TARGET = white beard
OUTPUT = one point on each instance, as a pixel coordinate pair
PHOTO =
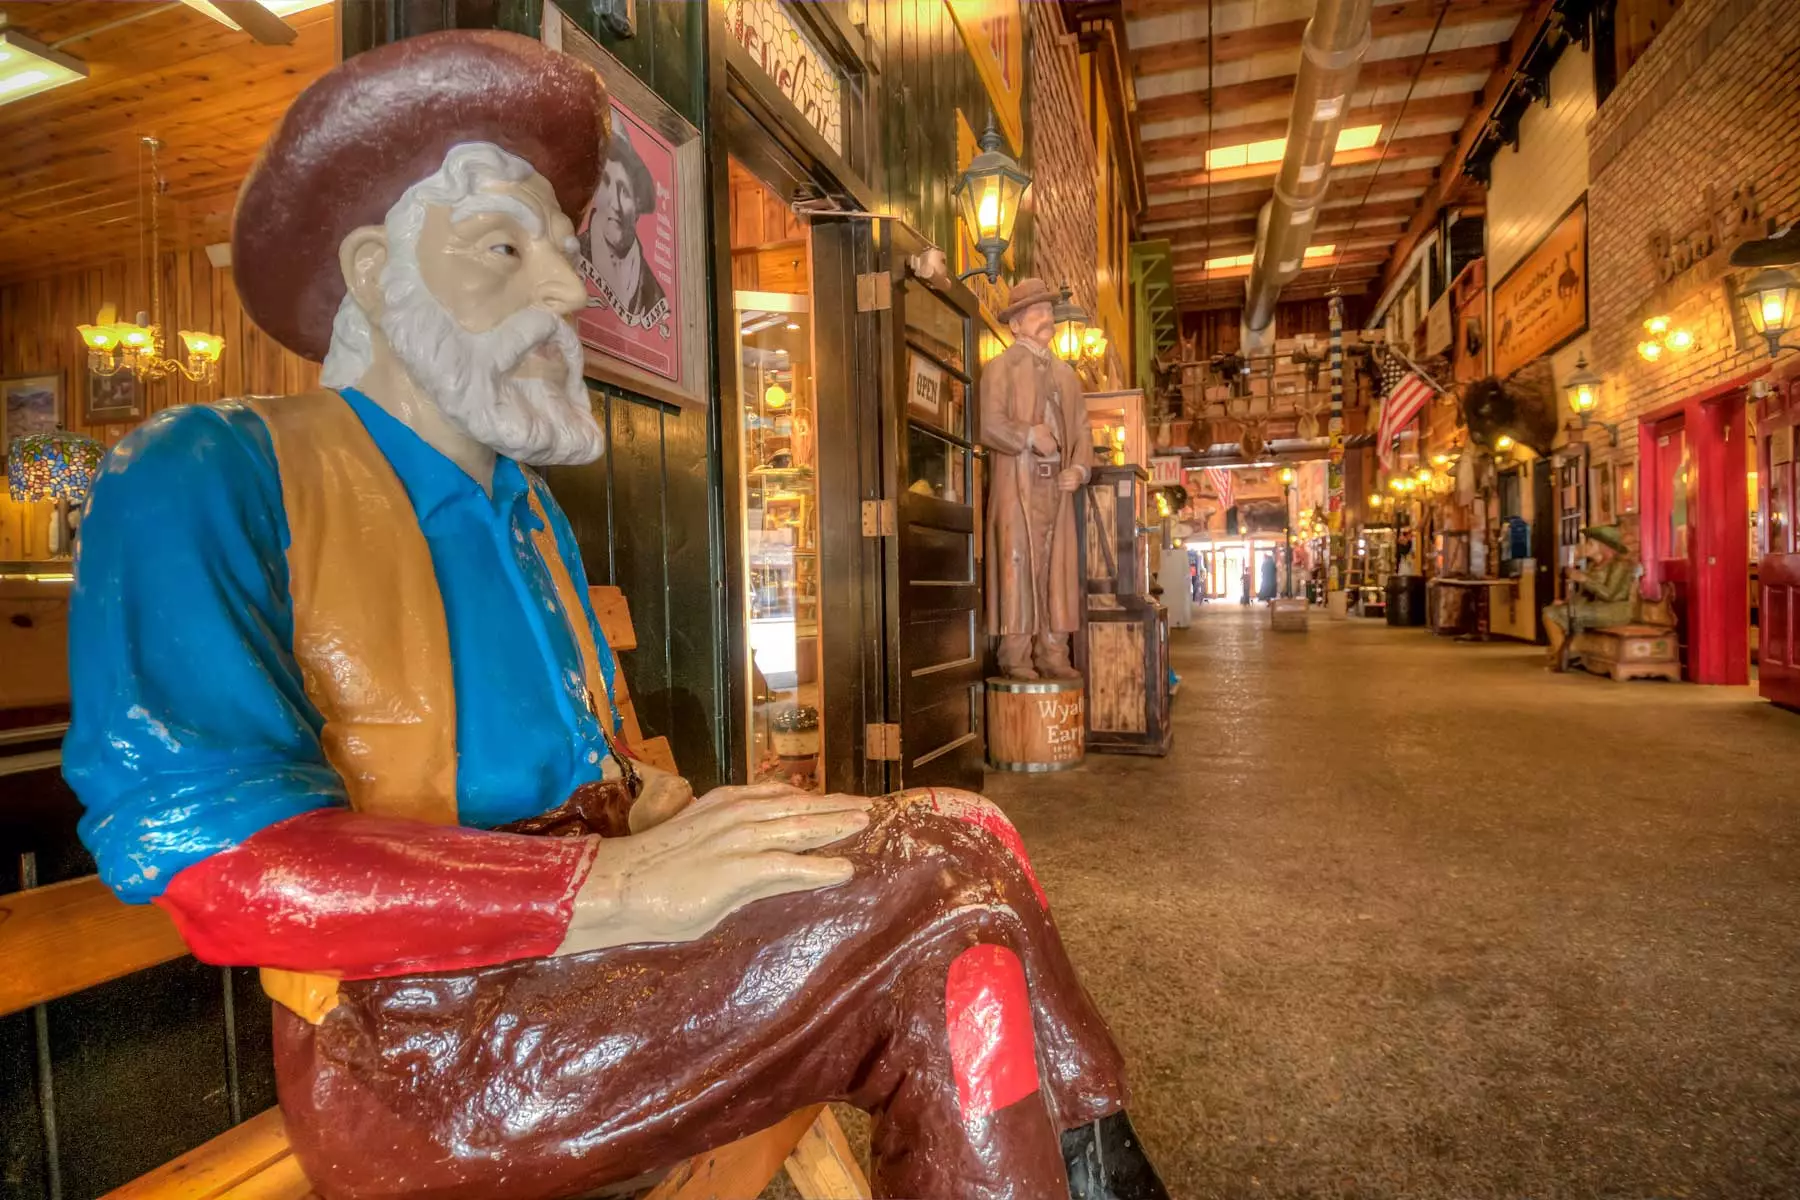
(469, 377)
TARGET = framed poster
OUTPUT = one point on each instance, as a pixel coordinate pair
(1543, 302)
(29, 404)
(1625, 479)
(994, 32)
(642, 237)
(113, 399)
(1600, 488)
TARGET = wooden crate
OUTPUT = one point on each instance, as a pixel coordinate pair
(1128, 679)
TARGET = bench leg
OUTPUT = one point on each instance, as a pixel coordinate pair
(810, 1138)
(823, 1167)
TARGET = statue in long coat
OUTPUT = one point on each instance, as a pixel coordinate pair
(1034, 420)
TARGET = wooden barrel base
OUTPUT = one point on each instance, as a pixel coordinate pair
(1035, 724)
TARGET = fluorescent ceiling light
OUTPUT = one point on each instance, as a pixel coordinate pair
(1251, 154)
(28, 67)
(1243, 260)
(277, 8)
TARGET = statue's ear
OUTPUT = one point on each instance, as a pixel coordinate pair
(361, 256)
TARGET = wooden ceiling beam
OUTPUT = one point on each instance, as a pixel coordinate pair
(1351, 222)
(1450, 180)
(1348, 187)
(1335, 262)
(1432, 145)
(1438, 63)
(1456, 104)
(1387, 20)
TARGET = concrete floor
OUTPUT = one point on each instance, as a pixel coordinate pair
(1401, 917)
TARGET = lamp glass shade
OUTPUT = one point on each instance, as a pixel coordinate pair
(1583, 388)
(1768, 301)
(204, 346)
(1286, 476)
(1093, 342)
(988, 195)
(1071, 328)
(98, 337)
(52, 466)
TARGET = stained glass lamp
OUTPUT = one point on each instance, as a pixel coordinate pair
(56, 466)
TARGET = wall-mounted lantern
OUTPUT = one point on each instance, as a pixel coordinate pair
(1071, 320)
(1583, 391)
(987, 196)
(1767, 300)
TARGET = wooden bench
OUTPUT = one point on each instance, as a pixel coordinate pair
(67, 937)
(1644, 648)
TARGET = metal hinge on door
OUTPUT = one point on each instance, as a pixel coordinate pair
(874, 292)
(883, 741)
(878, 519)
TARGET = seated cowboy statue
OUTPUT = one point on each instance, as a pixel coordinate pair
(1599, 594)
(342, 709)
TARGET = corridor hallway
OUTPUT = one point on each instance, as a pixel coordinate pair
(1402, 917)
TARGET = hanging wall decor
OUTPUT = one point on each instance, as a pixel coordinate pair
(642, 239)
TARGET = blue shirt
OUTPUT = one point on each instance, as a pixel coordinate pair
(191, 728)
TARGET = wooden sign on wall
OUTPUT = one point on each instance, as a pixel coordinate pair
(1543, 302)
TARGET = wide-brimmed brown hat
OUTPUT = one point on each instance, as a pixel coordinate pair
(1026, 293)
(378, 123)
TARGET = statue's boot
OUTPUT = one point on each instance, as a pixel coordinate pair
(1105, 1161)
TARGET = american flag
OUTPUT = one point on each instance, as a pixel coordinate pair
(1220, 479)
(1404, 393)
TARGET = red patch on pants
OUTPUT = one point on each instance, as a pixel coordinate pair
(992, 1047)
(985, 815)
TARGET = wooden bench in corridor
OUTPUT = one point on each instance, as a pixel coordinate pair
(67, 937)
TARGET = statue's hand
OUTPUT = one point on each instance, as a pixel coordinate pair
(1069, 478)
(1043, 440)
(735, 845)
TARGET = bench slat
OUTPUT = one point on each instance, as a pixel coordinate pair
(236, 1159)
(60, 939)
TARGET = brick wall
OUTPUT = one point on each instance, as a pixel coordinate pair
(1063, 159)
(1715, 100)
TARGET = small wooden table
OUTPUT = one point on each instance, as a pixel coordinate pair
(1461, 607)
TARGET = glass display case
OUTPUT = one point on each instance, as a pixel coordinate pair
(778, 407)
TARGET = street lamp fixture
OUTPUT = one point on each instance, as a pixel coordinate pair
(987, 197)
(1071, 327)
(1583, 390)
(1768, 301)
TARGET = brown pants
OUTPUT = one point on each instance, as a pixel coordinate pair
(553, 1077)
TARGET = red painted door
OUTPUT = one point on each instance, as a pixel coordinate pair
(1667, 540)
(1780, 551)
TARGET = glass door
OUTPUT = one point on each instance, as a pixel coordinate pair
(779, 459)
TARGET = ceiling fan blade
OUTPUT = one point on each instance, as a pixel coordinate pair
(257, 21)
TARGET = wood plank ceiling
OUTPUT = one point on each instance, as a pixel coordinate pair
(210, 94)
(1215, 74)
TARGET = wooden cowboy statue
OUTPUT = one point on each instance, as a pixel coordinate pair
(342, 708)
(1034, 419)
(1599, 595)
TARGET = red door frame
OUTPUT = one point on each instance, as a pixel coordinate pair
(1718, 558)
(1778, 673)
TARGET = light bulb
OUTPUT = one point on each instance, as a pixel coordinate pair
(987, 212)
(1650, 351)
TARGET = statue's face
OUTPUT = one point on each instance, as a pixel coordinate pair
(1035, 325)
(501, 252)
(469, 284)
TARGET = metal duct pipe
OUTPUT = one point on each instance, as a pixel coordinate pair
(1331, 52)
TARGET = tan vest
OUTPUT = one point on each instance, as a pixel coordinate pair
(369, 632)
